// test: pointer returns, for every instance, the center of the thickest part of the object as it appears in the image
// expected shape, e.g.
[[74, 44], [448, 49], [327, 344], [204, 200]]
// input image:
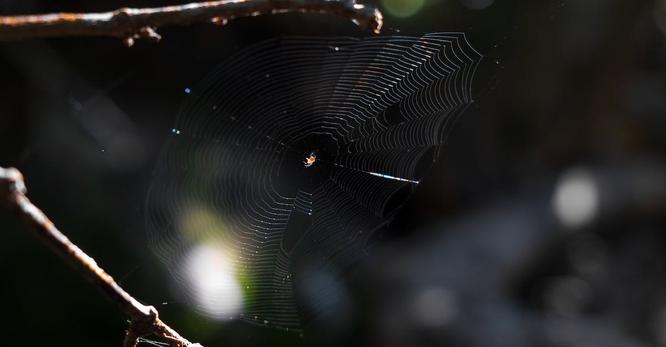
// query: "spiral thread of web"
[[375, 110]]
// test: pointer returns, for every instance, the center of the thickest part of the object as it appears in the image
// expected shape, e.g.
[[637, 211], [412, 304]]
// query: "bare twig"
[[130, 24], [144, 319]]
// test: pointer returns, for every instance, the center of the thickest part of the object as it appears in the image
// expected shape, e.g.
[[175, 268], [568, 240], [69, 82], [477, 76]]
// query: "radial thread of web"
[[373, 112]]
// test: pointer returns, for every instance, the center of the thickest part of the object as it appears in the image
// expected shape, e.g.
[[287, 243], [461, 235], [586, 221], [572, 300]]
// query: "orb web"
[[369, 115]]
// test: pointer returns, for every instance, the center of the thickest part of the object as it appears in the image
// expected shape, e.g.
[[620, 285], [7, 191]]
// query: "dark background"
[[568, 91]]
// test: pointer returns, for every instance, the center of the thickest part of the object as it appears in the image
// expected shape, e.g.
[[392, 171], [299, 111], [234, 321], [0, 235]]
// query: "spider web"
[[374, 111]]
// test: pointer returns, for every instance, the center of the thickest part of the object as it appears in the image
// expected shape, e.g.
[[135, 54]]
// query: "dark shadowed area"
[[541, 223]]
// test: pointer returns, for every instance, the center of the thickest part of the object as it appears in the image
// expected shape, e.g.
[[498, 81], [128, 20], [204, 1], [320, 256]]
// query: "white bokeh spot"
[[576, 198], [212, 283]]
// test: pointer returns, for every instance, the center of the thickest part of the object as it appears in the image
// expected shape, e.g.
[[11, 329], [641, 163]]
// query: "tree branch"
[[130, 24], [144, 319]]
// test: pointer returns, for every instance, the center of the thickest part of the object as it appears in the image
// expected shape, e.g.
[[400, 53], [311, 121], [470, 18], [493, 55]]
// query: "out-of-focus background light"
[[576, 198], [402, 8], [435, 307], [208, 275], [211, 282]]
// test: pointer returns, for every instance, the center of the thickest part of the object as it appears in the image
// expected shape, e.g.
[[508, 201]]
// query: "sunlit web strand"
[[386, 176], [376, 112], [152, 343]]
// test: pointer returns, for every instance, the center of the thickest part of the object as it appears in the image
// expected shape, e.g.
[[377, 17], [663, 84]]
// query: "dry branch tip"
[[132, 24], [144, 319]]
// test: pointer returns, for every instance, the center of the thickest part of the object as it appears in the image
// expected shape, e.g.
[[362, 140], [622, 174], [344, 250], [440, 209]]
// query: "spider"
[[310, 159]]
